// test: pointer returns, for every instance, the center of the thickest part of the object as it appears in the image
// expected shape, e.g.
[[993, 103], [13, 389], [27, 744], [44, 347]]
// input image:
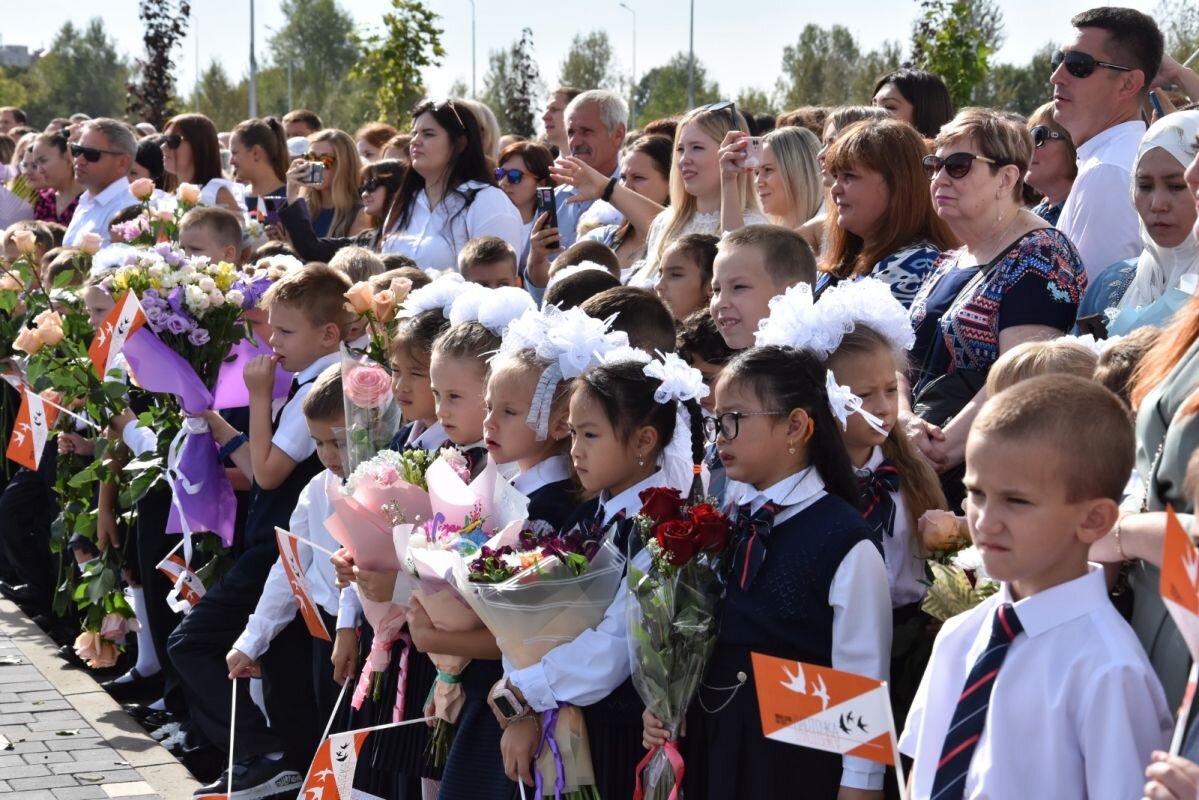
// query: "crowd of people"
[[870, 331]]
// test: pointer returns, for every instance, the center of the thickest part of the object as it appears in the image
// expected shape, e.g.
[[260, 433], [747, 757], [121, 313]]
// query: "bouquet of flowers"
[[159, 220], [959, 579], [372, 413], [379, 310], [536, 592], [672, 618]]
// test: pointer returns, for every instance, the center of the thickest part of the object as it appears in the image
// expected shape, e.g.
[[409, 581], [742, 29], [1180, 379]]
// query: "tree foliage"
[[81, 72], [755, 101], [1179, 22], [522, 88], [827, 67], [151, 93], [317, 42], [956, 39], [588, 62], [1012, 87], [220, 99], [494, 80], [662, 92], [392, 63]]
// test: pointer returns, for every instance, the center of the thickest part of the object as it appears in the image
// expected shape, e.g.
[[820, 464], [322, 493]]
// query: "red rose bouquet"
[[672, 619]]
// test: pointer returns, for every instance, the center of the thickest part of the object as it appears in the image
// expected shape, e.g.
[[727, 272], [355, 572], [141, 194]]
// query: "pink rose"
[[28, 341], [107, 656], [188, 193], [162, 215], [383, 304], [386, 475], [49, 335], [142, 188], [400, 287], [114, 627], [360, 297], [87, 645], [91, 242], [368, 387], [25, 241], [9, 282]]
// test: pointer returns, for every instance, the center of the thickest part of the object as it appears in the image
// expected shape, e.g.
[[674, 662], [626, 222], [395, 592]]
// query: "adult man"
[[595, 129], [1100, 79], [554, 117], [11, 117], [301, 122], [102, 157]]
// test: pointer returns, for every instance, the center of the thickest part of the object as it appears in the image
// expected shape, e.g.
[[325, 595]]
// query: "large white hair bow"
[[843, 402], [680, 380], [438, 294]]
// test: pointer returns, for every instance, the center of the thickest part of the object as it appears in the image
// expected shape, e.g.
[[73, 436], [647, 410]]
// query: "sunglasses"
[[1080, 64], [172, 141], [448, 103], [728, 424], [369, 186], [513, 176], [723, 105], [1043, 133], [328, 161], [92, 154], [956, 165]]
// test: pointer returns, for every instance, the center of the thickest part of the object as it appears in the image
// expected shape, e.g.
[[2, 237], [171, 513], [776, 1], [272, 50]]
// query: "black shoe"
[[67, 654], [140, 688], [149, 718], [254, 779], [17, 592]]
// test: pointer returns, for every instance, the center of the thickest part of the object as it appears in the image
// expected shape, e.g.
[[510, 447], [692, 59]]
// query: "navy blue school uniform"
[[806, 582], [553, 496]]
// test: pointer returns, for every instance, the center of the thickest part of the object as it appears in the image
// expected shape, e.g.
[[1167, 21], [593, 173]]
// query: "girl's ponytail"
[[697, 447]]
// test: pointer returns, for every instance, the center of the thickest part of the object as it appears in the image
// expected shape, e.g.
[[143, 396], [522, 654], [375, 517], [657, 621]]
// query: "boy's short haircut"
[[587, 250], [639, 313], [574, 290], [700, 248], [1030, 359], [269, 250], [325, 402], [383, 279], [396, 261], [359, 263], [789, 259], [699, 340], [1086, 426], [57, 231], [222, 223], [1118, 363], [483, 250], [317, 290], [60, 260]]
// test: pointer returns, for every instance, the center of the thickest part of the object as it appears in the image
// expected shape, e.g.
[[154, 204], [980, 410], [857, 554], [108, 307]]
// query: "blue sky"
[[741, 45]]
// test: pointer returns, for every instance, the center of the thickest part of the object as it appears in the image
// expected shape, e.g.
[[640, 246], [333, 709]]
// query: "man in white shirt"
[[102, 157], [595, 129], [1101, 77]]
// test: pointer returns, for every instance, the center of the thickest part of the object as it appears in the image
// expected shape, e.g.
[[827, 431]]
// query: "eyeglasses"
[[728, 424], [956, 165], [1043, 133], [328, 161], [1080, 64], [92, 154], [172, 141], [513, 176], [723, 105], [369, 186], [449, 103]]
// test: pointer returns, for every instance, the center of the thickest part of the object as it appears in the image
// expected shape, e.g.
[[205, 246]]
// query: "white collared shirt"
[[94, 212], [277, 604], [1075, 710], [901, 550], [434, 237], [430, 438], [1097, 215], [291, 434], [543, 473], [860, 597]]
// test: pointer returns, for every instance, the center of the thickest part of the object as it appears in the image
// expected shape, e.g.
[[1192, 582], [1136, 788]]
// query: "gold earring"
[[641, 459]]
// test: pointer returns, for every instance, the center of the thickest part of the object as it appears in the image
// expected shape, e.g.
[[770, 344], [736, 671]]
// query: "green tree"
[[499, 69], [870, 68], [662, 92], [150, 96], [523, 88], [82, 72], [588, 62], [392, 63], [819, 68], [12, 91], [1023, 89], [755, 101], [220, 99], [1179, 21], [459, 88], [956, 39], [317, 40]]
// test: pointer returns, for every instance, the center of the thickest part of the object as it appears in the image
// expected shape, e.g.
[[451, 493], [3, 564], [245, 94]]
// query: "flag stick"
[[899, 776], [328, 725], [1184, 710], [232, 730], [521, 784], [308, 542], [1187, 63]]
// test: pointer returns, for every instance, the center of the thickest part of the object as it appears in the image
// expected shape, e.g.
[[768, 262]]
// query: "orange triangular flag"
[[31, 429], [331, 776], [125, 318], [1180, 581], [289, 554], [825, 709], [188, 588]]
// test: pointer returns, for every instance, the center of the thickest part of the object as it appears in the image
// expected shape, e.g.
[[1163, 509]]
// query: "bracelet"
[[231, 446], [607, 195], [1119, 544]]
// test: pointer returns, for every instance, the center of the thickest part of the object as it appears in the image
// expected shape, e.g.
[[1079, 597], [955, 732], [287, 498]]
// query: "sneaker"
[[252, 780]]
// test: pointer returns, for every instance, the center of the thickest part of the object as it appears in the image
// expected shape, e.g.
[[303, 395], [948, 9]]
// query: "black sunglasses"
[[92, 154], [369, 185], [1080, 64], [728, 424], [513, 176], [956, 165], [723, 105], [449, 103], [1043, 133], [172, 141]]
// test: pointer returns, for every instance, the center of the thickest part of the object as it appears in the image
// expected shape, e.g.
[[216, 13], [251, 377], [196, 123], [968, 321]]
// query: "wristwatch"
[[506, 702], [611, 186]]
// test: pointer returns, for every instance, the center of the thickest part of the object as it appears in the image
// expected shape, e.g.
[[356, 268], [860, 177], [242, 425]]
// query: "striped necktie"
[[966, 727]]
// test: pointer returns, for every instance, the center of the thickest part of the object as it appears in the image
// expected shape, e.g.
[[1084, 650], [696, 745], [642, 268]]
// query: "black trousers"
[[27, 509], [151, 545]]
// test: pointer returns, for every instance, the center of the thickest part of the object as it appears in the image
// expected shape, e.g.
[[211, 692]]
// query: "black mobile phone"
[[272, 206], [1157, 104], [545, 203], [1094, 324]]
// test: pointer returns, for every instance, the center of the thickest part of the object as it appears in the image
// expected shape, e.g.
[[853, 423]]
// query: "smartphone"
[[546, 204], [1157, 104], [316, 173], [272, 206], [753, 152], [1094, 324]]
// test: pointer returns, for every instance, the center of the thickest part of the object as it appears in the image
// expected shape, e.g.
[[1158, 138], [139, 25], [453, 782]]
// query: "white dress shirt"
[[210, 191], [95, 211], [434, 237], [861, 601], [277, 604], [1075, 710], [1097, 215], [543, 473], [901, 551], [291, 434]]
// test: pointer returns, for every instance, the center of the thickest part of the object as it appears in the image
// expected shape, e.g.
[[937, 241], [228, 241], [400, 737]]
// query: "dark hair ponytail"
[[697, 448], [785, 379]]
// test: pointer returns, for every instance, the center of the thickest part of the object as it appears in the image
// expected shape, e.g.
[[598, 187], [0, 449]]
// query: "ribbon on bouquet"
[[549, 720], [377, 661], [671, 751]]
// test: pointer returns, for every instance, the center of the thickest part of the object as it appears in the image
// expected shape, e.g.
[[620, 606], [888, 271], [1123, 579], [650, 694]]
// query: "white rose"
[[207, 284], [234, 297], [216, 298]]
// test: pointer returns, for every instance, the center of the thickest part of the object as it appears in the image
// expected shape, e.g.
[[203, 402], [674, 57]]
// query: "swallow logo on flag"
[[121, 323], [289, 554], [31, 430]]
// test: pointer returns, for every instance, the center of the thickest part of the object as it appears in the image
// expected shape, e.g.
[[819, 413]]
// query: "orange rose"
[[25, 241], [400, 287], [106, 657], [50, 335], [90, 243], [188, 193], [360, 297], [9, 282], [142, 188], [942, 530], [87, 645], [383, 304], [28, 341]]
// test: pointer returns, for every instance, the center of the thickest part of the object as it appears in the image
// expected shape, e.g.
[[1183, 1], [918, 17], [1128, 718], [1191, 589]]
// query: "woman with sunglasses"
[[191, 152], [56, 202], [326, 179], [1014, 280], [449, 194], [1054, 163], [524, 167]]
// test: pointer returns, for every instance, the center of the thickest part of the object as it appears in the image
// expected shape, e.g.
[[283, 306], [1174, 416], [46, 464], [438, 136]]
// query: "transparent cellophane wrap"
[[538, 609]]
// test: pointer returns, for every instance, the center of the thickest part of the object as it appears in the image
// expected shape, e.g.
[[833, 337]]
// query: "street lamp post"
[[691, 62], [633, 79], [253, 68], [473, 93]]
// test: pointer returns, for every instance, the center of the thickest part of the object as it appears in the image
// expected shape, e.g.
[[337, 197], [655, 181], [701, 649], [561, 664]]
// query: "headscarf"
[[1159, 268]]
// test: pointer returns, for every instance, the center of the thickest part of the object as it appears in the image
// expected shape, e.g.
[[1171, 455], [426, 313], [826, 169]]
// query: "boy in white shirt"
[[1043, 689]]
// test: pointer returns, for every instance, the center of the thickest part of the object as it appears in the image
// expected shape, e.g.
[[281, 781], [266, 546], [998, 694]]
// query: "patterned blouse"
[[1048, 211], [45, 209], [904, 271], [1038, 280]]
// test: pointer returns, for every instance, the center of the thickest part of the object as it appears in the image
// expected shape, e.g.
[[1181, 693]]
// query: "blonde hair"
[[359, 263], [1031, 359], [795, 151], [1044, 116], [344, 187]]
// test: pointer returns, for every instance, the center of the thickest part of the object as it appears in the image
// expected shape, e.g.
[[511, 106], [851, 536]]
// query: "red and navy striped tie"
[[966, 727]]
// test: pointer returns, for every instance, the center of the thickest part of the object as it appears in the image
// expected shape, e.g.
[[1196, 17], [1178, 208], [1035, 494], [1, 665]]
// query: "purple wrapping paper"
[[230, 390]]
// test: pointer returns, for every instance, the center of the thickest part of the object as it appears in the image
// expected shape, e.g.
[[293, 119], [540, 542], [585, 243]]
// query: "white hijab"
[[1159, 268]]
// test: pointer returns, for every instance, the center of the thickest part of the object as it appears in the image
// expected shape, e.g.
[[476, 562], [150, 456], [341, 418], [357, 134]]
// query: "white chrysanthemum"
[[971, 559]]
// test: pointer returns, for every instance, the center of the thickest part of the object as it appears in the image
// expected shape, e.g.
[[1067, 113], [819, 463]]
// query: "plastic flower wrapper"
[[561, 594], [372, 413], [957, 586], [463, 519], [374, 499], [673, 619]]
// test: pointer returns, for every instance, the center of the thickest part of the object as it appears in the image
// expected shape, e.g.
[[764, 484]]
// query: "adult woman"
[[1054, 163], [378, 185], [371, 138], [397, 147], [332, 198], [23, 161], [56, 202], [449, 195], [192, 153], [787, 177], [1167, 212], [524, 166], [1014, 280], [149, 164], [489, 127], [258, 158], [882, 223], [917, 97], [695, 186]]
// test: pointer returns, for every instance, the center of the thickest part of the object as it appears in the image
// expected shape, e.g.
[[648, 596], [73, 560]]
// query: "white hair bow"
[[680, 380], [843, 402]]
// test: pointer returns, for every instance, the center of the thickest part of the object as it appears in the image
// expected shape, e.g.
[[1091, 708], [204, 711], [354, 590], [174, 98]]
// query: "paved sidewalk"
[[63, 738]]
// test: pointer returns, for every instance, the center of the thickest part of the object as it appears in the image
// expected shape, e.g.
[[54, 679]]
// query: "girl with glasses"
[[1054, 163], [191, 152]]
